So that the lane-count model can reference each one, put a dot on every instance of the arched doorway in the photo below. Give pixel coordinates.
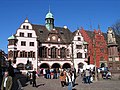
(55, 65)
(102, 65)
(44, 65)
(21, 66)
(80, 65)
(66, 65)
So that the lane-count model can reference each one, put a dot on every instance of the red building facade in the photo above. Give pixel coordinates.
(97, 48)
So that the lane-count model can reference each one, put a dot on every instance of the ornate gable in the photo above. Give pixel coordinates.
(54, 37)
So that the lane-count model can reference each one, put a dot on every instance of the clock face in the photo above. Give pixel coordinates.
(53, 37)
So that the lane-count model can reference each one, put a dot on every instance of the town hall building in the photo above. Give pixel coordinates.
(47, 46)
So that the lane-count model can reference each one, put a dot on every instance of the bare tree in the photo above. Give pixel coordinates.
(116, 27)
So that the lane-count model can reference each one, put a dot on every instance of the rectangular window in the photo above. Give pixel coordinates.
(21, 54)
(85, 55)
(79, 55)
(28, 54)
(85, 46)
(23, 43)
(25, 54)
(29, 34)
(102, 50)
(31, 43)
(33, 54)
(78, 46)
(21, 34)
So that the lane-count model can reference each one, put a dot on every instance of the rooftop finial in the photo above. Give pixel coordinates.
(26, 20)
(49, 8)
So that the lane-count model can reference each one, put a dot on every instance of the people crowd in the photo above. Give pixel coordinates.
(66, 76)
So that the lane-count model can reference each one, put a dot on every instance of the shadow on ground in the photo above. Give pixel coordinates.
(21, 78)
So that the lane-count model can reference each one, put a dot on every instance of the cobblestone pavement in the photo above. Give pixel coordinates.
(54, 84)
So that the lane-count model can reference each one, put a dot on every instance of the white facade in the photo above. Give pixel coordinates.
(27, 47)
(79, 48)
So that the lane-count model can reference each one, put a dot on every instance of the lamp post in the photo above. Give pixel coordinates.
(72, 54)
(94, 44)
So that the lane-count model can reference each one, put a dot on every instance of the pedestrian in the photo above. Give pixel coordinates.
(31, 78)
(69, 76)
(34, 78)
(48, 74)
(7, 82)
(62, 79)
(87, 75)
(44, 72)
(55, 73)
(11, 70)
(73, 78)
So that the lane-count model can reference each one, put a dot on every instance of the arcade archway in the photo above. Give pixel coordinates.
(44, 65)
(56, 65)
(80, 65)
(66, 65)
(102, 65)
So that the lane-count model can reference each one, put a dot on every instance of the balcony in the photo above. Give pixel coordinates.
(54, 59)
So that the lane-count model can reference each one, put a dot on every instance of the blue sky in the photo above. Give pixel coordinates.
(72, 13)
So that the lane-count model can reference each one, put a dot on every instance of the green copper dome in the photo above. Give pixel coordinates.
(49, 15)
(12, 37)
(85, 43)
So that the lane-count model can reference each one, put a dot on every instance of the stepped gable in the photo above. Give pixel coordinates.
(90, 34)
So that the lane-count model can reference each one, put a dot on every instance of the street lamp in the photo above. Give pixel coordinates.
(72, 54)
(94, 44)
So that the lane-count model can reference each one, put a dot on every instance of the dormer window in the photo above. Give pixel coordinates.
(41, 32)
(27, 27)
(79, 39)
(23, 26)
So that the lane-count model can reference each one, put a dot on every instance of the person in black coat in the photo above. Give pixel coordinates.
(34, 78)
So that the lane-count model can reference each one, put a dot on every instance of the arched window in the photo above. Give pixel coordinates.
(10, 53)
(43, 52)
(23, 26)
(62, 52)
(53, 52)
(80, 65)
(79, 55)
(79, 39)
(27, 27)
